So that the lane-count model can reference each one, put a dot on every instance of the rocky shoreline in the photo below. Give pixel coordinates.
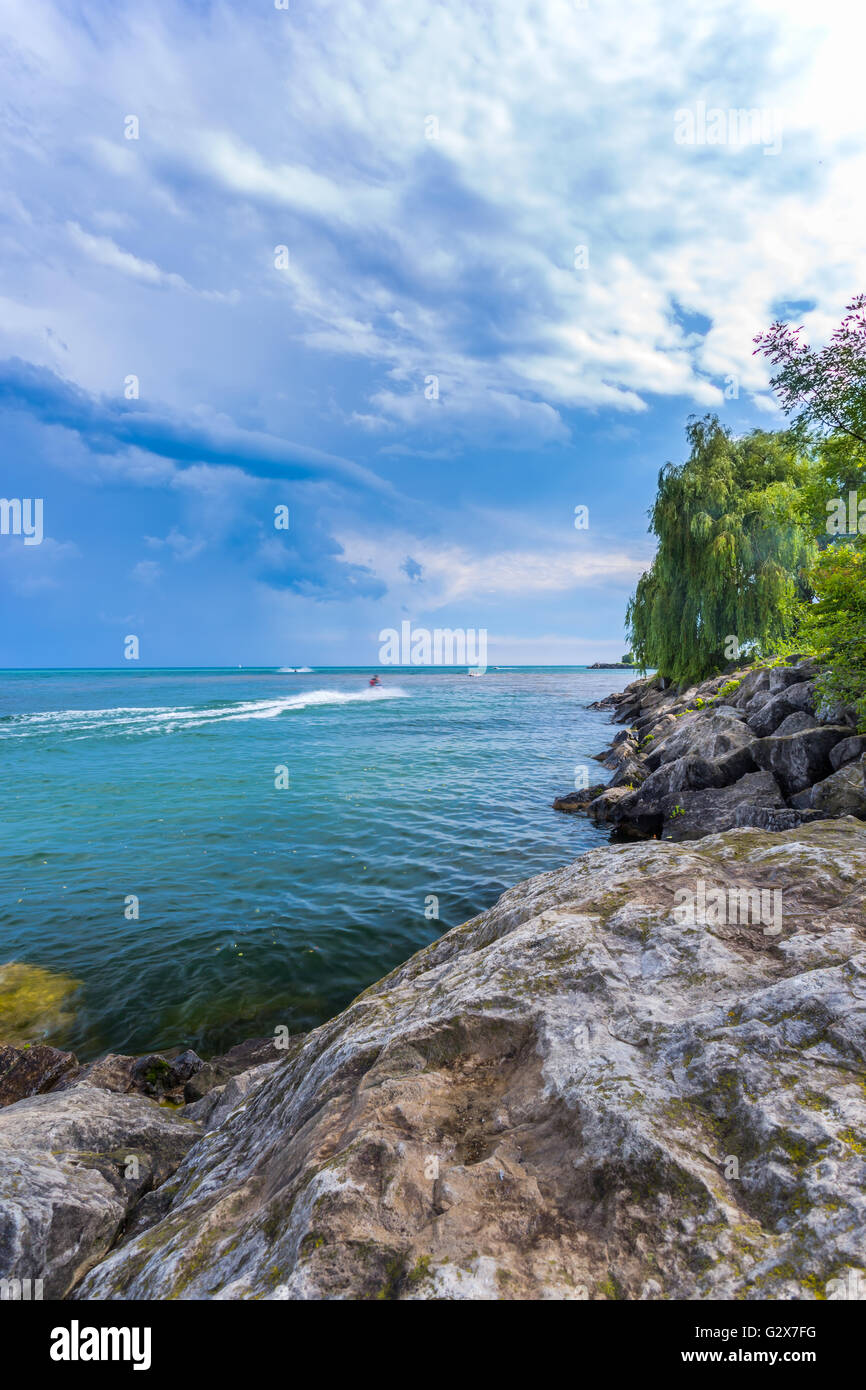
(753, 747)
(600, 1088)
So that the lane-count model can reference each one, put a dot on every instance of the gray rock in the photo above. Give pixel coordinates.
(582, 1092)
(619, 806)
(607, 805)
(578, 801)
(618, 754)
(847, 750)
(213, 1108)
(798, 760)
(830, 713)
(843, 793)
(151, 1075)
(72, 1165)
(695, 773)
(158, 1076)
(796, 723)
(768, 818)
(241, 1058)
(707, 734)
(28, 1071)
(113, 1072)
(766, 719)
(186, 1065)
(688, 815)
(783, 676)
(630, 775)
(758, 701)
(751, 684)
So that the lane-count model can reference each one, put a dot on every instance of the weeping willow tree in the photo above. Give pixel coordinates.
(734, 545)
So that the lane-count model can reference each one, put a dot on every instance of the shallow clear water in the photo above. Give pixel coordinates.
(262, 905)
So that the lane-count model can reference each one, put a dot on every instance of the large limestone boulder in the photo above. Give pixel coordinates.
(696, 773)
(704, 734)
(688, 815)
(773, 709)
(750, 685)
(798, 760)
(795, 723)
(620, 752)
(781, 677)
(847, 751)
(630, 775)
(594, 1089)
(72, 1166)
(843, 793)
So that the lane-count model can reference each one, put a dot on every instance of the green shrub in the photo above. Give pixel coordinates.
(836, 625)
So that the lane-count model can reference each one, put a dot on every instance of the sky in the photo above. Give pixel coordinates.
(425, 276)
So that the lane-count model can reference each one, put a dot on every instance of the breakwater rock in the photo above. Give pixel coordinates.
(755, 747)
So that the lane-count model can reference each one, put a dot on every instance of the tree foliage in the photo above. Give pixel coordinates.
(835, 624)
(733, 549)
(825, 392)
(824, 388)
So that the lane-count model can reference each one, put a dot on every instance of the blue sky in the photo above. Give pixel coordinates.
(430, 171)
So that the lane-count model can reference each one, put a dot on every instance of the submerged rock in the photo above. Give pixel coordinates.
(594, 1089)
(34, 1003)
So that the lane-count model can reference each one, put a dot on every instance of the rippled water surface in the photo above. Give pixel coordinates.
(261, 905)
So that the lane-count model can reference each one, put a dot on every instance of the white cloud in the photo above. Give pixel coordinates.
(104, 251)
(453, 573)
(455, 256)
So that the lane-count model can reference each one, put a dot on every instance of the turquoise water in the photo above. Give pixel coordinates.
(261, 905)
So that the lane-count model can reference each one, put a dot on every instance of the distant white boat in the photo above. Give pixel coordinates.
(296, 670)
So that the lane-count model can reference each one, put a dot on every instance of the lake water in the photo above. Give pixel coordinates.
(262, 904)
